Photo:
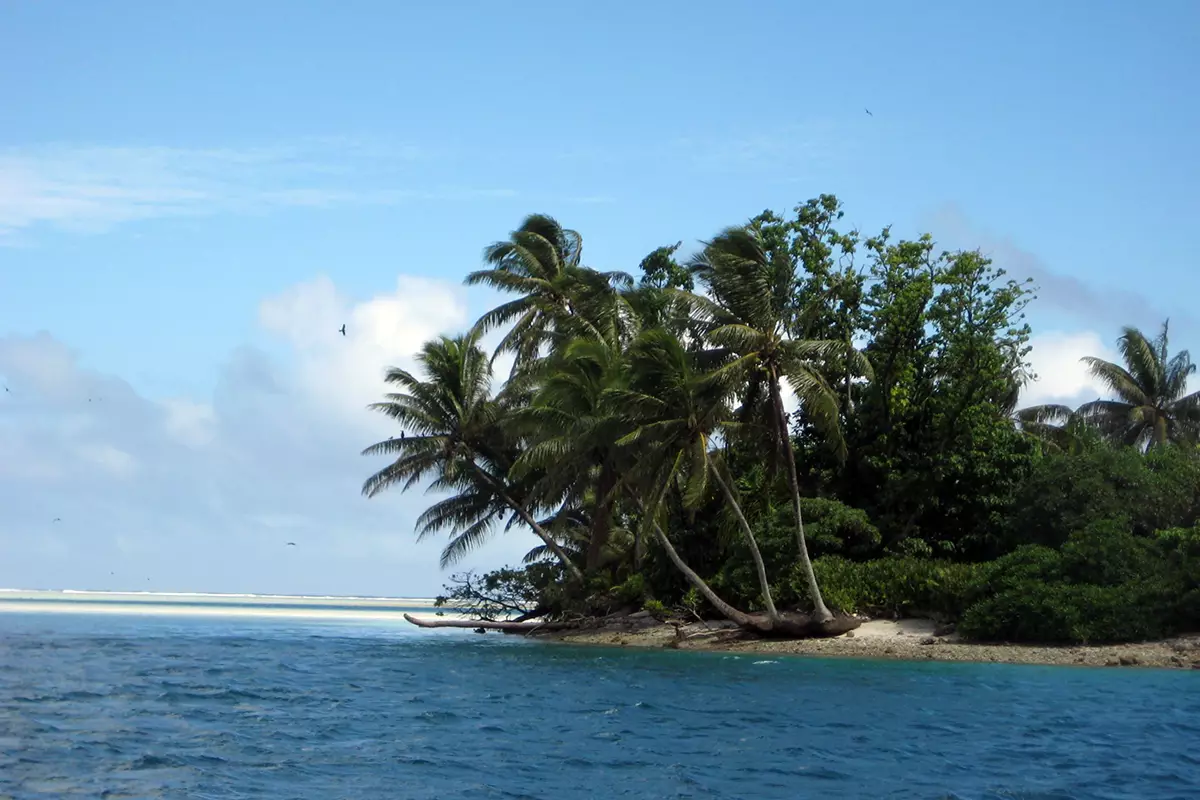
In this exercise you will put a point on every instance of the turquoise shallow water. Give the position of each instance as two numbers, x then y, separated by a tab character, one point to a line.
128	706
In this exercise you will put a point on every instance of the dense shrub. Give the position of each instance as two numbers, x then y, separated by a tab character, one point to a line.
1069	613
832	527
1104	585
891	585
1069	492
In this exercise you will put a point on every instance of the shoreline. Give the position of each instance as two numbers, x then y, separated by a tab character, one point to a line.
902	640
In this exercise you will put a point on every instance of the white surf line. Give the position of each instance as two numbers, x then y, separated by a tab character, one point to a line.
180	610
76	596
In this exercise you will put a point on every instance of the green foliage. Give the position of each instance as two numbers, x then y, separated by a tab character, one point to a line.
932	452
1106	584
657	609
834	527
632	591
893	585
1069	492
1061	613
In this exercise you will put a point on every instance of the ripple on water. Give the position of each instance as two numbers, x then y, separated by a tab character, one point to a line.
118	707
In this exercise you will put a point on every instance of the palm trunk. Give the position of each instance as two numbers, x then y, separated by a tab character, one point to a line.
602	522
820	612
763	584
541	532
729	612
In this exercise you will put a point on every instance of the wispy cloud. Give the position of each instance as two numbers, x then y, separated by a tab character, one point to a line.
1084	300
90	188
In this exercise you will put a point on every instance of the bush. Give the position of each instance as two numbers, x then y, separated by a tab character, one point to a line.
1107	554
891	585
834	527
1061	613
1070	492
1104	585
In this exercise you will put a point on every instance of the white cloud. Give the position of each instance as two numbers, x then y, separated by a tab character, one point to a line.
1061	376
190	422
203	493
341	374
112	460
92	189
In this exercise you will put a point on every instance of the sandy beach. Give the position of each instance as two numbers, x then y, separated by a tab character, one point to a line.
907	640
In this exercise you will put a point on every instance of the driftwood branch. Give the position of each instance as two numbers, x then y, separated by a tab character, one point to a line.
475	624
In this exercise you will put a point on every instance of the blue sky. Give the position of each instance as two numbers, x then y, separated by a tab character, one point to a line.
192	194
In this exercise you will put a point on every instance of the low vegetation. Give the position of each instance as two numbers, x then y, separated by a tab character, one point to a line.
797	424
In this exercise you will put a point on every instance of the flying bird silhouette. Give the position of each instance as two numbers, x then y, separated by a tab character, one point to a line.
869	114
291	544
57	519
342	330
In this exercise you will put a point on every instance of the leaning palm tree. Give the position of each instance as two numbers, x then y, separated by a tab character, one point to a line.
1151	407
749	311
457	441
675	408
540	261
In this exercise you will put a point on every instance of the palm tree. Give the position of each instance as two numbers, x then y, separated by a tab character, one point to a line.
1150	408
675	408
1059	428
459	443
540	261
573	429
750	313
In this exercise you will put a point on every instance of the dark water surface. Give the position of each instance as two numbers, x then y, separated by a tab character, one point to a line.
127	706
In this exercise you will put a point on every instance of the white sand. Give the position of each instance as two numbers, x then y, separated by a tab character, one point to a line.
214	605
903	630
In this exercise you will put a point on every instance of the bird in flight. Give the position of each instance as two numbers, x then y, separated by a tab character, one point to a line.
57	519
6	389
291	544
342	330
869	114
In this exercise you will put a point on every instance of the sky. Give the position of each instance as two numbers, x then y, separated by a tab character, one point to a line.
194	197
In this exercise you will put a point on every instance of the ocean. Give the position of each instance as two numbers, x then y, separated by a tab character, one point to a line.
185	696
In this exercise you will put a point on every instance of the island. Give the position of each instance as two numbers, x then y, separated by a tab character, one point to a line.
794	439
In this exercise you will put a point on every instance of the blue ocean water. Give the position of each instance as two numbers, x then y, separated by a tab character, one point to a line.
143	707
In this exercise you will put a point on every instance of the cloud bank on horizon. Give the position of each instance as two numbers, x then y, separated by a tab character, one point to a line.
202	494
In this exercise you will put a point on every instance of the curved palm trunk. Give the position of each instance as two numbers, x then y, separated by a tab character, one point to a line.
821	613
729	612
528	519
761	568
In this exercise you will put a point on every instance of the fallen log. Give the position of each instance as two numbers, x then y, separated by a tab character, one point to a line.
507	627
